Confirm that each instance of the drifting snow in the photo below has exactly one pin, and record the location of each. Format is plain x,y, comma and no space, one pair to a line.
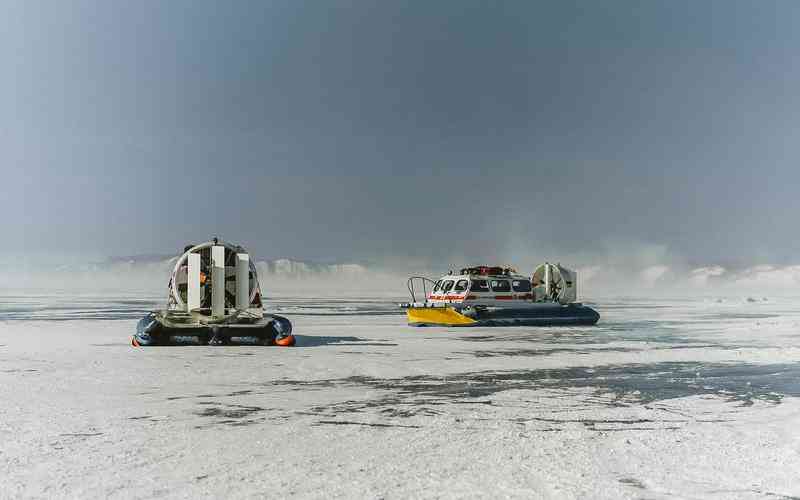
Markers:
647,273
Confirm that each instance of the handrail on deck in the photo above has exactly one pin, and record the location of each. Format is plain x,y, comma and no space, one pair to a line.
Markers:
412,289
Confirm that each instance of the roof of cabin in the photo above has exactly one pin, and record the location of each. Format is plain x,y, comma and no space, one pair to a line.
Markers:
484,276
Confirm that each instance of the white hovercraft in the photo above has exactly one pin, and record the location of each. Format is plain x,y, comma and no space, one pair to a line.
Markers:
498,296
214,299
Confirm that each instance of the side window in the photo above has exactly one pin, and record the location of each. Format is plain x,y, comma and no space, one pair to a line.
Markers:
521,286
479,286
447,285
461,285
437,286
501,286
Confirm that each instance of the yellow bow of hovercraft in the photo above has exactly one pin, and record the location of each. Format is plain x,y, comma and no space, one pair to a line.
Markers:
437,316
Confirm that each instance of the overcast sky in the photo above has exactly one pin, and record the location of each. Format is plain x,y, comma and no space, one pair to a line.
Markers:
367,130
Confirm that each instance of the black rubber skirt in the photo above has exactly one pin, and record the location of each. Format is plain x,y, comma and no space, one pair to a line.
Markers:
269,330
557,315
541,315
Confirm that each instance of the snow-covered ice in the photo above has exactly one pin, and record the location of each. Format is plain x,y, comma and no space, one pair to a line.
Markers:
663,399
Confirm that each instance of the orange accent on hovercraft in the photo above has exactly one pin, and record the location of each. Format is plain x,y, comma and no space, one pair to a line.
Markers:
287,341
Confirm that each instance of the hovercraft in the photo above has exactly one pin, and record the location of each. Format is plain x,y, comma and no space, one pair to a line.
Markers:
498,296
214,299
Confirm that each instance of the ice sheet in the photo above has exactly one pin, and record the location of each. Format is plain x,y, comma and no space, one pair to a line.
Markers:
663,399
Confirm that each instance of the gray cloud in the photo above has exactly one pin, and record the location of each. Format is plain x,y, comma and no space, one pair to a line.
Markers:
437,130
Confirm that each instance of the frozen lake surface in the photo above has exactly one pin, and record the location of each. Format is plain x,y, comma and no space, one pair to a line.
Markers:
663,399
